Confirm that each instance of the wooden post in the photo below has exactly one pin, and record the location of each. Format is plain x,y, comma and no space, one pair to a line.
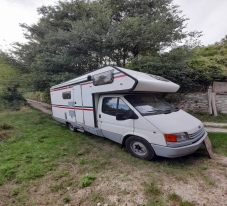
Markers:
209,99
214,104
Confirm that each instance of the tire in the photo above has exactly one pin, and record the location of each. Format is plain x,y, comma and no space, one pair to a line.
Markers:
140,148
71,127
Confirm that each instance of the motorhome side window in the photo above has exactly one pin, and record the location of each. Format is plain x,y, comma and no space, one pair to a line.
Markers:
66,95
109,106
103,78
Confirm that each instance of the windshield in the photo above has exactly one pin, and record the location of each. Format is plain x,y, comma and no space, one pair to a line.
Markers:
149,104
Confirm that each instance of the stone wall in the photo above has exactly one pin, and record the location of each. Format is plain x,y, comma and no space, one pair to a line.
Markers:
197,102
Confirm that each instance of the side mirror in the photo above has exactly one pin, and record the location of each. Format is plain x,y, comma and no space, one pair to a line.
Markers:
121,116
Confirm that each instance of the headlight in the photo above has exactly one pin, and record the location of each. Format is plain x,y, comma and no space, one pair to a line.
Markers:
181,136
176,137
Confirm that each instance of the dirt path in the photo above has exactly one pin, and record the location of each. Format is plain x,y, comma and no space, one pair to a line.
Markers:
213,129
215,124
46,108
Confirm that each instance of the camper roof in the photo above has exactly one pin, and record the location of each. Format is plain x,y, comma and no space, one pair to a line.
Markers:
142,81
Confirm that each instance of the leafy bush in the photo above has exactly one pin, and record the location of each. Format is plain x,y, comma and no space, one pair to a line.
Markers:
5,126
86,180
11,98
192,69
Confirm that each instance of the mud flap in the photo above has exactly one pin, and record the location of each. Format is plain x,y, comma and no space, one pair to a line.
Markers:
208,147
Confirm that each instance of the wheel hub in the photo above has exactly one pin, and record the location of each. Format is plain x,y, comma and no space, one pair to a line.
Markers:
138,148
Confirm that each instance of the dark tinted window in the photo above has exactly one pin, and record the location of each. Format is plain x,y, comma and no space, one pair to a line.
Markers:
109,105
124,109
66,95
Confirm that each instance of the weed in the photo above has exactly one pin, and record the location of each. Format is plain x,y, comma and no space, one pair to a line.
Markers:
81,152
96,197
66,199
151,188
82,161
207,180
202,167
61,173
14,191
5,126
37,120
186,203
174,197
155,202
56,187
86,180
4,135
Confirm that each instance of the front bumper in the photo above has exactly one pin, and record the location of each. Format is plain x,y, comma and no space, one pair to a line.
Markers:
179,151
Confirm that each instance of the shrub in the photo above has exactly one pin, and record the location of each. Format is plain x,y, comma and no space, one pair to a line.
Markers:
86,180
11,98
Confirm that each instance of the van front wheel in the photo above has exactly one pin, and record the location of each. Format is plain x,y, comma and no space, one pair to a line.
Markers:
140,148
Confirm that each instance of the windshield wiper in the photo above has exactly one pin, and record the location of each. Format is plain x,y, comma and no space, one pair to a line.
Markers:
167,111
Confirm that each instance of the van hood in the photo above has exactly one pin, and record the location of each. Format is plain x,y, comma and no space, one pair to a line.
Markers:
175,122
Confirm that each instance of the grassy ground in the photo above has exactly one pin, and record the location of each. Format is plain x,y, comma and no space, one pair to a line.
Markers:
204,117
43,163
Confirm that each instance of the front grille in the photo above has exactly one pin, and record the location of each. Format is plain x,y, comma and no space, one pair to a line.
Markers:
197,135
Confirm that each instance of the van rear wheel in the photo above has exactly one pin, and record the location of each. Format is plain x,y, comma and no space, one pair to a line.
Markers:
140,148
71,127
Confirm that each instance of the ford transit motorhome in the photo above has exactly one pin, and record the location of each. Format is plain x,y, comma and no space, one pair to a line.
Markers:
126,106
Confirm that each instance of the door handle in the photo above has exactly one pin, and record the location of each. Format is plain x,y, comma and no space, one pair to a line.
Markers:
75,102
99,115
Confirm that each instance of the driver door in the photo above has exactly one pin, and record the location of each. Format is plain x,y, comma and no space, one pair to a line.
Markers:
111,128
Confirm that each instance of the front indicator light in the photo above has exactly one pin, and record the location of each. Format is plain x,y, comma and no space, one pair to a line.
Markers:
170,138
176,137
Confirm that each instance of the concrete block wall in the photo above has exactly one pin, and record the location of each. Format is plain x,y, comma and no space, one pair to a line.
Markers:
197,102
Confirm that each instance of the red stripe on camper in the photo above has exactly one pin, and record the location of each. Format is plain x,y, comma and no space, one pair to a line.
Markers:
54,90
84,109
64,107
122,75
88,109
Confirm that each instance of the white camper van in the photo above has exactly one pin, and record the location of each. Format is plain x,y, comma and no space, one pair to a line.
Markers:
127,107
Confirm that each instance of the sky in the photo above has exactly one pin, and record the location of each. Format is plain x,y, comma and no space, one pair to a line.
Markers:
208,16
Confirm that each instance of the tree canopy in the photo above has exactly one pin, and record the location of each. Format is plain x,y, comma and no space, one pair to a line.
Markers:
9,83
75,37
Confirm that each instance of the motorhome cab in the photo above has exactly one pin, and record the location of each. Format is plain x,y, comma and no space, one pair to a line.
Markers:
128,107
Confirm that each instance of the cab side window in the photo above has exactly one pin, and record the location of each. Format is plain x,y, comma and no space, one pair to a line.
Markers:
124,109
109,105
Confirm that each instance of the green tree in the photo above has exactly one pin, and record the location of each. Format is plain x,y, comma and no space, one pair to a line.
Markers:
75,37
172,65
191,68
209,63
10,80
